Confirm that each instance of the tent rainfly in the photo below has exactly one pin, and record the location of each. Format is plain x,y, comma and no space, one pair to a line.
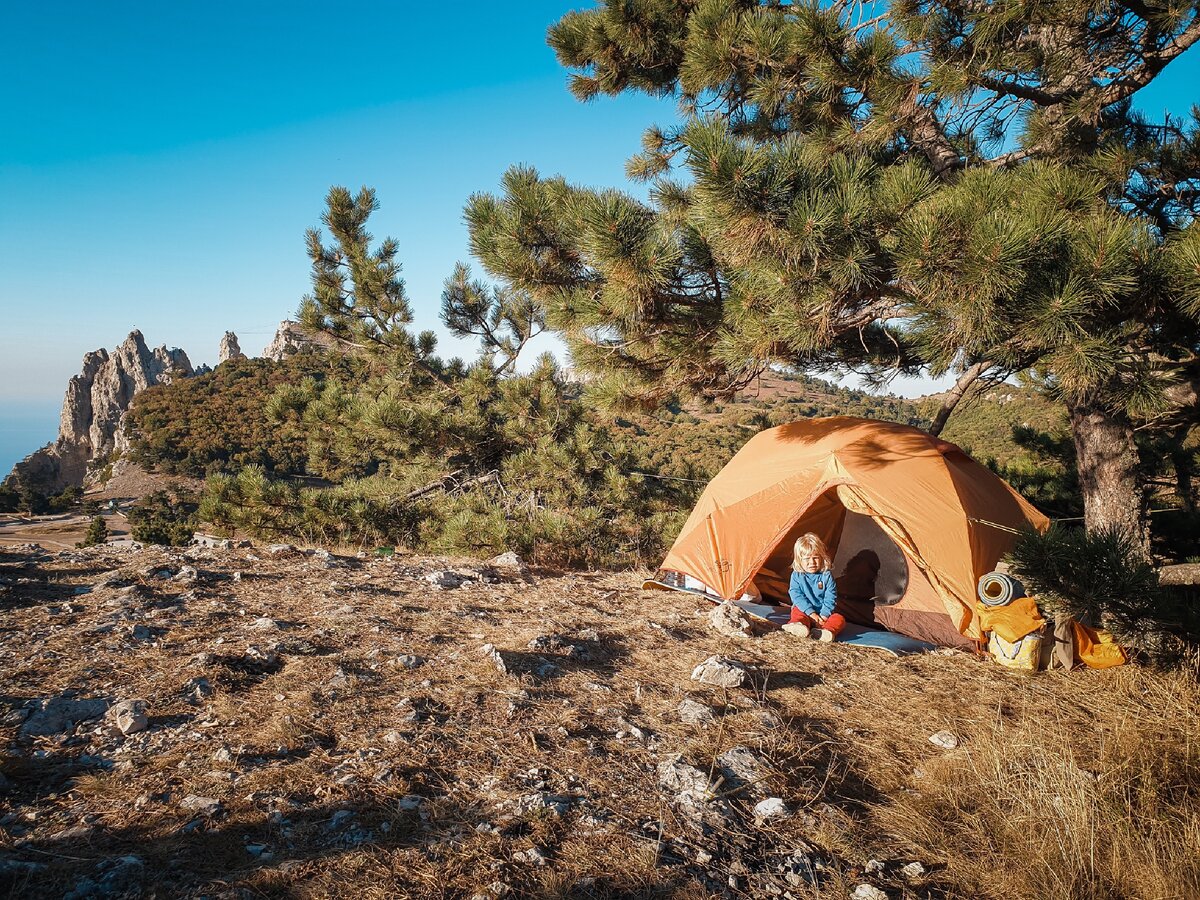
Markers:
927,519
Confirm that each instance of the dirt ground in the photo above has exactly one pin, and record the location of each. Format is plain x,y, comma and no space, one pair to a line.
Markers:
319,725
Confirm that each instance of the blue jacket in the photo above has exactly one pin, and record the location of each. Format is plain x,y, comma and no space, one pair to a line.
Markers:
813,593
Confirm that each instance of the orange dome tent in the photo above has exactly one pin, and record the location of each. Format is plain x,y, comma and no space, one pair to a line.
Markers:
932,519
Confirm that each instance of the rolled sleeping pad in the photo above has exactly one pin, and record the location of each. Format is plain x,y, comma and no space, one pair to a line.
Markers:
998,589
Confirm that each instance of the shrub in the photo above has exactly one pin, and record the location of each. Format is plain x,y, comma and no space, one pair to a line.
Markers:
97,533
163,518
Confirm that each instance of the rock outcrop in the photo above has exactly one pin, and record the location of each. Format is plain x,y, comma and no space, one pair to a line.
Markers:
291,338
94,409
229,349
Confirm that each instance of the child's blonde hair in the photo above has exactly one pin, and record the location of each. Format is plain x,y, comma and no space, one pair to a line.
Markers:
810,545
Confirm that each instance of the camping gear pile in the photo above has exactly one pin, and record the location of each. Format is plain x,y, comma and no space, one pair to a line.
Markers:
1017,633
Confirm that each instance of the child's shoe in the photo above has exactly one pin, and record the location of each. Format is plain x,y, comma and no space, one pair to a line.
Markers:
824,635
798,629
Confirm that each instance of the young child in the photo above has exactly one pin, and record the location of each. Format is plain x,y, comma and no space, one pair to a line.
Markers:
813,593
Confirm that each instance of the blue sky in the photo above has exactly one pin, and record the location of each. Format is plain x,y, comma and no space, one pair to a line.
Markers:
159,163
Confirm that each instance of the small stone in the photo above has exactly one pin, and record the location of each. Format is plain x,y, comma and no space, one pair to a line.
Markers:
868,892
141,633
730,621
445,579
693,712
532,855
913,870
874,867
770,808
265,623
223,756
128,716
720,672
944,739
410,802
410,661
493,654
205,806
282,550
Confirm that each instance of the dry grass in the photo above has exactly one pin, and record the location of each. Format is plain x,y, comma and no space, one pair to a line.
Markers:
299,726
1063,806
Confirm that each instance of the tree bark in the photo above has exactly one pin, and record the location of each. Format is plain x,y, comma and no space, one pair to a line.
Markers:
1108,464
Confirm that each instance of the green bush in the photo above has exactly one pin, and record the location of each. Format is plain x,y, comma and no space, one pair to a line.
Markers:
163,518
97,533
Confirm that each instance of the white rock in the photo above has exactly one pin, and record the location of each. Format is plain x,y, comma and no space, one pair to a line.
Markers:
720,672
944,739
874,867
128,716
205,806
494,655
770,808
693,712
913,870
730,621
868,892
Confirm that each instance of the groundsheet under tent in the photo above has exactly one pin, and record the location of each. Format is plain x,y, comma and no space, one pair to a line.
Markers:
852,634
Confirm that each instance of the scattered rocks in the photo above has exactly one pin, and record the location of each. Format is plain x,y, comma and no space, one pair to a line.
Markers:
61,714
128,717
446,579
409,661
282,550
944,739
730,621
532,855
721,672
211,542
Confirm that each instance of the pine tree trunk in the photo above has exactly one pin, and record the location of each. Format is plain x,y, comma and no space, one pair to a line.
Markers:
1108,471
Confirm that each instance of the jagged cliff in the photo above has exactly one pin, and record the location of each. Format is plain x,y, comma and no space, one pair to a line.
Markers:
93,412
93,409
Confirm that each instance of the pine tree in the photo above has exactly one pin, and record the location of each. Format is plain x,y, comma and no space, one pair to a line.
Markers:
943,186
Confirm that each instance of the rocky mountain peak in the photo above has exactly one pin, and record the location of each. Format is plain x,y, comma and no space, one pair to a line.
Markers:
229,349
94,408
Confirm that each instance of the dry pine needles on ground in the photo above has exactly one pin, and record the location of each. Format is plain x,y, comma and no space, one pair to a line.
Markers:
403,726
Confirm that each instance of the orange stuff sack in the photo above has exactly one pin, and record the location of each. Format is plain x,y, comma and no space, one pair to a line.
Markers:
1011,622
1097,649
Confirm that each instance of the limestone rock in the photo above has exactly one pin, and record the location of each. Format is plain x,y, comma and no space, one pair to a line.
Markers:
720,672
291,338
693,712
730,621
229,349
745,771
128,716
60,714
772,807
944,739
93,412
868,892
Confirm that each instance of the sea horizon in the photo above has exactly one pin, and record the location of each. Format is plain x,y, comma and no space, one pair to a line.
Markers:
25,426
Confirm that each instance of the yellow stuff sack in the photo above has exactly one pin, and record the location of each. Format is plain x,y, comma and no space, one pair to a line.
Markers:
1023,654
1097,649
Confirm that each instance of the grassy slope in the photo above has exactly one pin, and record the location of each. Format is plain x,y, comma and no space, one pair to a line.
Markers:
315,731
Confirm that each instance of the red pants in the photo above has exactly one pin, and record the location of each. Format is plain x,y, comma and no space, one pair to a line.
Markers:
835,623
